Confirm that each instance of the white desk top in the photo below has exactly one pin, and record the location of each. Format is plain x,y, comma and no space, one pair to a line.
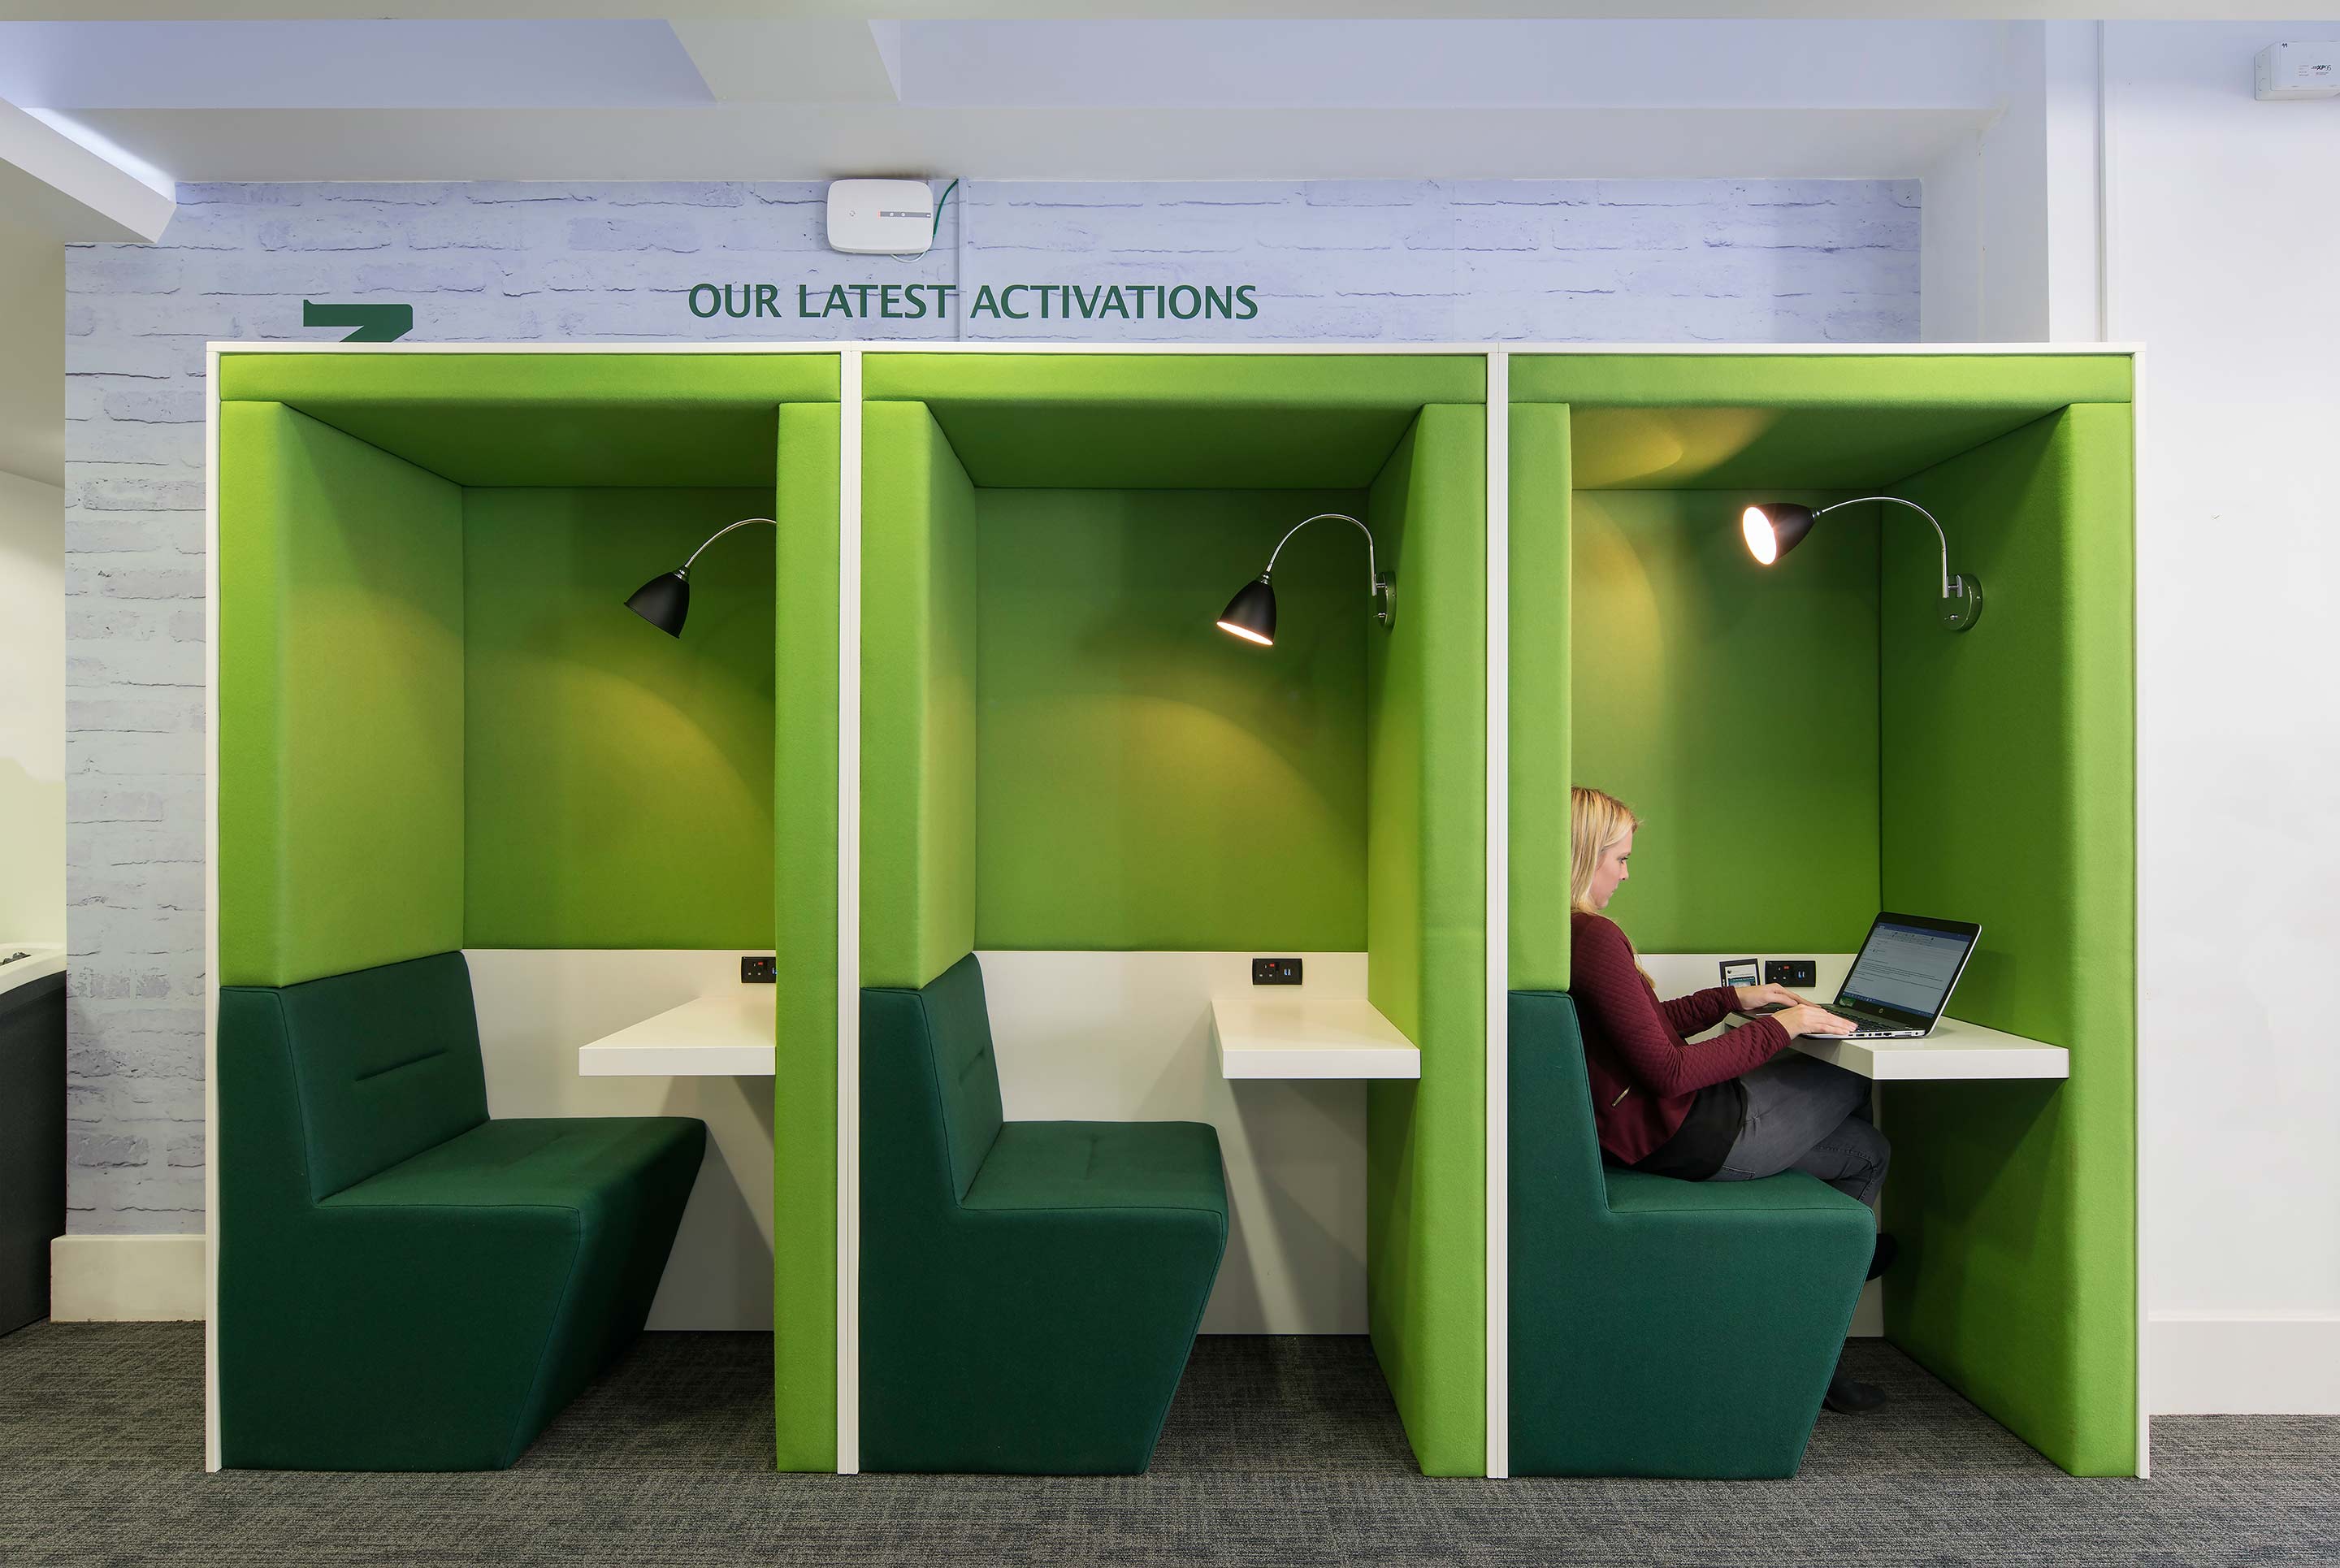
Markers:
728,1034
1293,1036
1956,1049
41,960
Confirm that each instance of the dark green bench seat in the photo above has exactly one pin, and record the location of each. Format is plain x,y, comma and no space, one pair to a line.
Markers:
405,1284
1029,1290
1661,1327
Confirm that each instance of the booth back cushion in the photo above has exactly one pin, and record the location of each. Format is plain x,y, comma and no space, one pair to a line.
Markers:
385,1063
966,1076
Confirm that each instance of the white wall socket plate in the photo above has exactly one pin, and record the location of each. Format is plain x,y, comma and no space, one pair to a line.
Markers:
2299,71
880,217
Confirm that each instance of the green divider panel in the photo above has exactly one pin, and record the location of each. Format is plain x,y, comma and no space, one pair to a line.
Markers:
618,782
1733,705
804,1113
2009,791
1542,611
1175,420
917,700
550,419
1149,782
341,770
1426,939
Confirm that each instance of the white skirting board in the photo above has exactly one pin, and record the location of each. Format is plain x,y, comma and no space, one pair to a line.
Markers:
537,1006
126,1278
2215,1363
1126,1036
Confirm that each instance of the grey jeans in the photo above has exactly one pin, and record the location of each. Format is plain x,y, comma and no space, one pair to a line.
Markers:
1806,1115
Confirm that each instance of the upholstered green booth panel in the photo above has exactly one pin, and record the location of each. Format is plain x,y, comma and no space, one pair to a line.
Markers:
403,1284
2009,793
1541,612
1660,1327
1175,422
618,781
1133,756
550,419
1029,1290
917,700
1733,705
341,768
1426,939
804,1117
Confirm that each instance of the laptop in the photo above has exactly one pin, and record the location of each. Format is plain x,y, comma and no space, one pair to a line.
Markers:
1903,976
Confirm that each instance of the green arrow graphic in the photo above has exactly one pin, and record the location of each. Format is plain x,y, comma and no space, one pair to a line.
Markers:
374,324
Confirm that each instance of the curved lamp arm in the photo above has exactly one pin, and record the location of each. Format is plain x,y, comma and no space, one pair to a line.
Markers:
1376,585
1940,536
719,533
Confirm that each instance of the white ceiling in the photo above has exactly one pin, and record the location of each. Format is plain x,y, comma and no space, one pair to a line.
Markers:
570,99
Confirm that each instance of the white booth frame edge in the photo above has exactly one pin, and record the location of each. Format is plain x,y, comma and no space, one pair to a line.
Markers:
1495,1053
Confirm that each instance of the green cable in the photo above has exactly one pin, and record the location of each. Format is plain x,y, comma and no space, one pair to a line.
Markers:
938,213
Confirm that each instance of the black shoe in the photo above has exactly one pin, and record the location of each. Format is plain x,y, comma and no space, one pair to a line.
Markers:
1888,1249
1847,1396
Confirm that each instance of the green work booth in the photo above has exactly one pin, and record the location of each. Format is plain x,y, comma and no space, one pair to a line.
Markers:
439,732
1060,752
1808,743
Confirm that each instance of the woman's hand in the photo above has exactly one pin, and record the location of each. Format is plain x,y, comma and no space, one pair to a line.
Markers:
1804,1018
1753,997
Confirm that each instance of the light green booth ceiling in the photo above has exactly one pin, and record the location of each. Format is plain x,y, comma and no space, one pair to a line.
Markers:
550,419
1174,421
1837,421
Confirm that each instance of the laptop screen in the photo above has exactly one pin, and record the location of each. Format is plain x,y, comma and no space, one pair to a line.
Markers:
1907,965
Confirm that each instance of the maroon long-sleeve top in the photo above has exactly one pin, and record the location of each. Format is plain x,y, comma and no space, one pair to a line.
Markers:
1644,1073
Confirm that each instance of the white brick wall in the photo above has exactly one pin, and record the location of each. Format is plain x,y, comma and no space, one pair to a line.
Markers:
1397,261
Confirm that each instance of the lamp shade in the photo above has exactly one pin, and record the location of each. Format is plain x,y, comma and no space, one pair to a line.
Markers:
664,601
1251,613
1774,528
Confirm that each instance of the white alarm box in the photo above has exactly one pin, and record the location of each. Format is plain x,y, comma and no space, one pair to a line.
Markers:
880,217
2299,71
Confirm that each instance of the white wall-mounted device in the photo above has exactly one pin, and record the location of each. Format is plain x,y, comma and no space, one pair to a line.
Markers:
2299,71
880,217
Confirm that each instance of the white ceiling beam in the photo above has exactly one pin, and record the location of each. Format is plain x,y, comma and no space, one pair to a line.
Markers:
680,11
839,61
52,183
819,142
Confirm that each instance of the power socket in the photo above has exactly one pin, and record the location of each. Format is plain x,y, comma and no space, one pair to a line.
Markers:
759,971
1791,972
1276,971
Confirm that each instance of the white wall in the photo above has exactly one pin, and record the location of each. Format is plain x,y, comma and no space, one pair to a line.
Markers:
2223,217
31,710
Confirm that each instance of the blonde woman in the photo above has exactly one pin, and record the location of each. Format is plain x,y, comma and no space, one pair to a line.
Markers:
1732,1108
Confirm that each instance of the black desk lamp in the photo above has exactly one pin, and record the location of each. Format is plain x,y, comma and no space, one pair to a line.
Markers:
1777,527
665,599
1251,613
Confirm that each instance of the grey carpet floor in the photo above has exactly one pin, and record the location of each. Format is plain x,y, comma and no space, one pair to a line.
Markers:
1278,1452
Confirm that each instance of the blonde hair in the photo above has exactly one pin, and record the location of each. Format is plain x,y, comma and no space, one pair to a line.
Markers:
1597,822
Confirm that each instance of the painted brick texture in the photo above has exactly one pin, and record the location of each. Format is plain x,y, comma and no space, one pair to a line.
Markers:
1350,260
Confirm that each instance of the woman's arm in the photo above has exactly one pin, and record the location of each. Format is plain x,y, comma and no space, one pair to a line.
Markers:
1618,1005
1701,1009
